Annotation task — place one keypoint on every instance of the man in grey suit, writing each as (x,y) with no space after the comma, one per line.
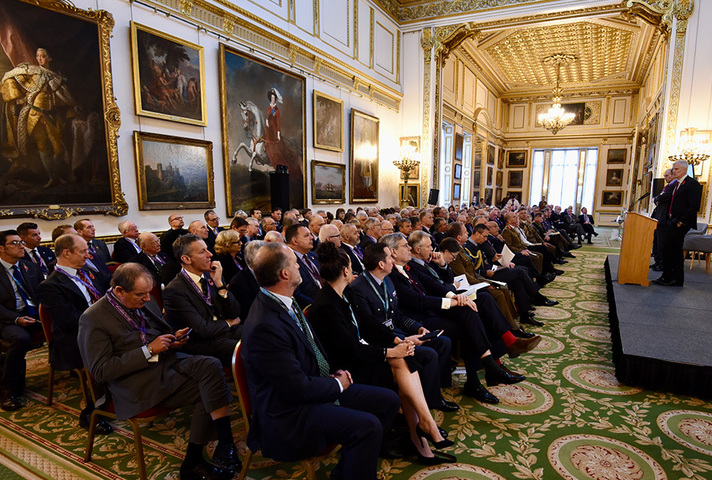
(126,344)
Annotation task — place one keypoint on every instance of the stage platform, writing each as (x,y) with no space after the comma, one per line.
(662,336)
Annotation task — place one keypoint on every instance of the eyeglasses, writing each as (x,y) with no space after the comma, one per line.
(234,243)
(335,236)
(16,243)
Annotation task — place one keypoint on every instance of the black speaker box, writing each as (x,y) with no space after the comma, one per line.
(433,197)
(658,185)
(279,187)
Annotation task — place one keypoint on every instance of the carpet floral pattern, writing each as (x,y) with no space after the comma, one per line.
(570,419)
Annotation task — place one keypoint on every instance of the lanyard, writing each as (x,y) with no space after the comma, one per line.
(77,278)
(205,297)
(384,297)
(353,318)
(122,311)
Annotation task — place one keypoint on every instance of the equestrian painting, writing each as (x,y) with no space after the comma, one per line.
(263,115)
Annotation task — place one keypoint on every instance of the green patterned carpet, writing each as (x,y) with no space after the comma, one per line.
(570,419)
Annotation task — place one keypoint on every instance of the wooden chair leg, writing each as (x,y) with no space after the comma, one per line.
(707,263)
(245,465)
(139,449)
(92,432)
(50,386)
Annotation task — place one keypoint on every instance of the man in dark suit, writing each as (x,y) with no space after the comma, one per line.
(586,222)
(175,220)
(213,222)
(65,295)
(41,256)
(126,344)
(243,284)
(152,258)
(300,240)
(300,405)
(371,232)
(126,248)
(660,214)
(350,244)
(19,302)
(198,298)
(382,321)
(98,251)
(683,204)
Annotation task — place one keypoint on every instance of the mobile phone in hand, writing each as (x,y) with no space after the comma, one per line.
(178,339)
(430,335)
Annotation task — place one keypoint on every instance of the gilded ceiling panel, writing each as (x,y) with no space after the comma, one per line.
(602,51)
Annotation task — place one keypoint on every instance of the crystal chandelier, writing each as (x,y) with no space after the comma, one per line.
(692,150)
(556,118)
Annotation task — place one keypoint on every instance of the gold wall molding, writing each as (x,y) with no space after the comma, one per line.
(405,14)
(356,32)
(427,162)
(256,34)
(682,11)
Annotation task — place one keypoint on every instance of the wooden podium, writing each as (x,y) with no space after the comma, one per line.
(634,263)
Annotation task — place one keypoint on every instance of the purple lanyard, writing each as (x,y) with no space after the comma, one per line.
(87,285)
(122,311)
(206,298)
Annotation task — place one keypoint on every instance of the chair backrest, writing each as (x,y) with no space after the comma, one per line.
(240,377)
(46,323)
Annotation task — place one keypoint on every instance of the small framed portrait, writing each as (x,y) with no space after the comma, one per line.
(500,178)
(616,155)
(517,195)
(490,174)
(409,195)
(516,159)
(500,161)
(413,143)
(612,198)
(515,179)
(477,178)
(169,76)
(614,177)
(328,182)
(488,196)
(458,171)
(328,122)
(456,191)
(364,157)
(459,141)
(490,154)
(173,172)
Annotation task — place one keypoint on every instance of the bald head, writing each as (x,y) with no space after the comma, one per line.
(199,228)
(329,233)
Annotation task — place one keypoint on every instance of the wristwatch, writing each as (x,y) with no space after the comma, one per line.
(150,350)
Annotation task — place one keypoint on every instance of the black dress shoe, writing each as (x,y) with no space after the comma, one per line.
(667,283)
(204,471)
(226,457)
(103,427)
(569,255)
(531,321)
(479,393)
(558,272)
(521,333)
(10,403)
(522,345)
(589,242)
(545,302)
(561,261)
(447,407)
(445,443)
(574,246)
(500,376)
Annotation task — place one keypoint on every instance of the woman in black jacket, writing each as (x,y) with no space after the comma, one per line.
(386,364)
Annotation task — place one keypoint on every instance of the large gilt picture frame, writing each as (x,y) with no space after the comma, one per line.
(263,130)
(173,172)
(364,157)
(169,76)
(328,183)
(328,122)
(58,150)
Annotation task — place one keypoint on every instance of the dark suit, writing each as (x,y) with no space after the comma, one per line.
(157,270)
(112,351)
(229,265)
(100,250)
(211,334)
(662,205)
(64,302)
(587,227)
(244,288)
(683,204)
(47,257)
(290,397)
(98,258)
(356,262)
(307,290)
(20,338)
(167,239)
(212,236)
(124,250)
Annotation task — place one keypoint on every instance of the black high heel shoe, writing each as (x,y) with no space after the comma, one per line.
(441,444)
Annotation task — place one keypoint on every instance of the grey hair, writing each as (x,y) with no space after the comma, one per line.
(391,240)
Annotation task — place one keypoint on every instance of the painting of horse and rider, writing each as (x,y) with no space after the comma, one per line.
(263,115)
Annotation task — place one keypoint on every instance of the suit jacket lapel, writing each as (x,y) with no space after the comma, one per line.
(68,283)
(285,317)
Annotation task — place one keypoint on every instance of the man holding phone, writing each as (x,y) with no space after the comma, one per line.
(198,298)
(18,314)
